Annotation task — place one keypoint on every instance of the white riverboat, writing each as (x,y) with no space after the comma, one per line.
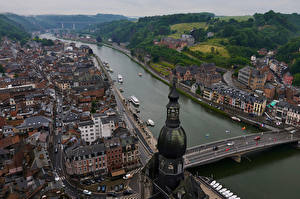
(236,118)
(150,122)
(134,100)
(120,78)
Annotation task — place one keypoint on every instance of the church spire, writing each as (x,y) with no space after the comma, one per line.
(173,106)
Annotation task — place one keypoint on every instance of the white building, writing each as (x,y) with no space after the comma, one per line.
(100,125)
(87,130)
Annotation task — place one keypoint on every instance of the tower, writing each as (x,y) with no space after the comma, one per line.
(171,145)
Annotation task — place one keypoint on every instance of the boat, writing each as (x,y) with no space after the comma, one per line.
(227,131)
(213,183)
(110,70)
(207,135)
(244,128)
(225,193)
(121,89)
(233,197)
(222,190)
(216,185)
(236,118)
(150,122)
(134,100)
(219,187)
(229,195)
(140,74)
(120,78)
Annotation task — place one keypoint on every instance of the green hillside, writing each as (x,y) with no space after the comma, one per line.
(234,39)
(12,30)
(41,22)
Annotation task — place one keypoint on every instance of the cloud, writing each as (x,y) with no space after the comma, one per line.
(147,7)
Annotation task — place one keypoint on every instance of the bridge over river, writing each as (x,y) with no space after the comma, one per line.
(237,146)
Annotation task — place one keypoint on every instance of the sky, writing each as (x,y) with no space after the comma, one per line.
(147,7)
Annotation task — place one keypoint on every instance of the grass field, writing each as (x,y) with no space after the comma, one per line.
(162,67)
(181,28)
(206,48)
(238,18)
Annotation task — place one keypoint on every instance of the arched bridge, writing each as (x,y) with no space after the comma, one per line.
(238,146)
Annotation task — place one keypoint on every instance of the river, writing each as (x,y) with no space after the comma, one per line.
(269,174)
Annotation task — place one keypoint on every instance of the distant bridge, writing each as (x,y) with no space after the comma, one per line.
(238,146)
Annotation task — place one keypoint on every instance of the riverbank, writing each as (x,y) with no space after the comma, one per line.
(186,92)
(147,135)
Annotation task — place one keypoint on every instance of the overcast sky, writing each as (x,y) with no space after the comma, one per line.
(147,7)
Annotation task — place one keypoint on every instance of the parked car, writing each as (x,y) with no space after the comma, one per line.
(230,143)
(127,176)
(87,192)
(127,192)
(215,148)
(121,187)
(103,188)
(257,138)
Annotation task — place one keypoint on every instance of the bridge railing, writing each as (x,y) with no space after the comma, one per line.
(196,148)
(243,149)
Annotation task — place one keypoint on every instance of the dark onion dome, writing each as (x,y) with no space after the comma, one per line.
(172,142)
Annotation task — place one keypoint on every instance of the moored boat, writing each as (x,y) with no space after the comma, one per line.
(120,78)
(236,118)
(150,122)
(134,100)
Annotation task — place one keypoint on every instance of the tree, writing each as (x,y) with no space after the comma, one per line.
(2,69)
(296,81)
(99,39)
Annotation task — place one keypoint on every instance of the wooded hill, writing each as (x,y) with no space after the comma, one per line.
(12,30)
(42,22)
(234,41)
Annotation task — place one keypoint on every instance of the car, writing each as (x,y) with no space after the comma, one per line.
(230,143)
(98,180)
(121,187)
(292,131)
(257,138)
(127,192)
(56,150)
(87,192)
(127,176)
(103,188)
(116,188)
(98,188)
(63,185)
(215,148)
(113,194)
